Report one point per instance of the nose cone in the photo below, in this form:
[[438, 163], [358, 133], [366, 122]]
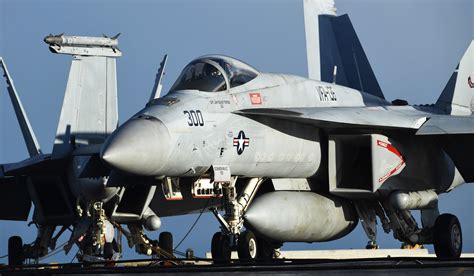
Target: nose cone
[[138, 147]]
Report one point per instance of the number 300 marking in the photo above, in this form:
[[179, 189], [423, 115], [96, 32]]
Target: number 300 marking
[[194, 117]]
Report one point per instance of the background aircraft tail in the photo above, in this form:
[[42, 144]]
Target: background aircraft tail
[[457, 96], [89, 112], [332, 41]]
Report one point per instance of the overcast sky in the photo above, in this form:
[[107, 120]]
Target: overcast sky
[[413, 47]]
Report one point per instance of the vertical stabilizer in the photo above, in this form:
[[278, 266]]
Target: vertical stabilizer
[[26, 129], [457, 96], [89, 112], [331, 42], [312, 10]]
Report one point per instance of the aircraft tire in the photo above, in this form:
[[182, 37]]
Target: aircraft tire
[[265, 250], [247, 248], [447, 237], [15, 248], [220, 249], [165, 241], [108, 250]]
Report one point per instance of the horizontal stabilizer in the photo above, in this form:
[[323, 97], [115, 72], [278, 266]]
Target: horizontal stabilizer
[[345, 117], [40, 164], [26, 129], [446, 124]]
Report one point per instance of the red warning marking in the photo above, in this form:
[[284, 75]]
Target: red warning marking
[[469, 81], [174, 198], [255, 98], [393, 150]]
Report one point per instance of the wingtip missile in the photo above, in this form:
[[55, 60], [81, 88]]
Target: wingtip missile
[[82, 41]]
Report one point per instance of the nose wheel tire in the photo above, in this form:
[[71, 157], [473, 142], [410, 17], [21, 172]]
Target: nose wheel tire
[[265, 250], [15, 251], [447, 237], [220, 248], [247, 248], [108, 250], [165, 242]]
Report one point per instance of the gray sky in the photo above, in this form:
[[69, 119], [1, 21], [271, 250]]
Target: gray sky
[[413, 47]]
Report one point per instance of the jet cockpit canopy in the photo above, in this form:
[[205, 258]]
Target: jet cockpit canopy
[[214, 73]]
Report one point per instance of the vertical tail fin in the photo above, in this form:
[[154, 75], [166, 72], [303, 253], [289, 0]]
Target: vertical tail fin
[[457, 96], [156, 92], [89, 112], [26, 129], [332, 41], [312, 9]]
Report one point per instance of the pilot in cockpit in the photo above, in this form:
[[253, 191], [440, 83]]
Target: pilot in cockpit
[[210, 70]]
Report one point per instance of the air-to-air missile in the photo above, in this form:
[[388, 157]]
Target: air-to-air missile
[[84, 45], [61, 39]]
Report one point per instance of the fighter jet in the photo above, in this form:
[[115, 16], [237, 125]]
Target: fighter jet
[[70, 188], [304, 159]]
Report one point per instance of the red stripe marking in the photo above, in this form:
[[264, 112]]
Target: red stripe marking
[[393, 150]]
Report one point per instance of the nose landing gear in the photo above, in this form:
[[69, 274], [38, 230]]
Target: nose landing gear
[[249, 248], [230, 237]]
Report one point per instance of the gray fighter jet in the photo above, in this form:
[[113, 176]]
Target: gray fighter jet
[[299, 159], [288, 158]]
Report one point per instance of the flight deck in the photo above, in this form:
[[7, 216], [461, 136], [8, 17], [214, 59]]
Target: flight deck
[[374, 266], [337, 262]]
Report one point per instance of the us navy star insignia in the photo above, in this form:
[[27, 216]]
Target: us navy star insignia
[[240, 142]]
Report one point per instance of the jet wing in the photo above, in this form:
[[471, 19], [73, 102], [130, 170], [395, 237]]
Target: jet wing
[[453, 133], [346, 117]]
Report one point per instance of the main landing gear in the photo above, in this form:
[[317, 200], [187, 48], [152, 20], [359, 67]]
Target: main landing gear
[[443, 231], [447, 237]]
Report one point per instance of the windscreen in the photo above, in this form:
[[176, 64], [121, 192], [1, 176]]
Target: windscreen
[[200, 76], [204, 74]]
